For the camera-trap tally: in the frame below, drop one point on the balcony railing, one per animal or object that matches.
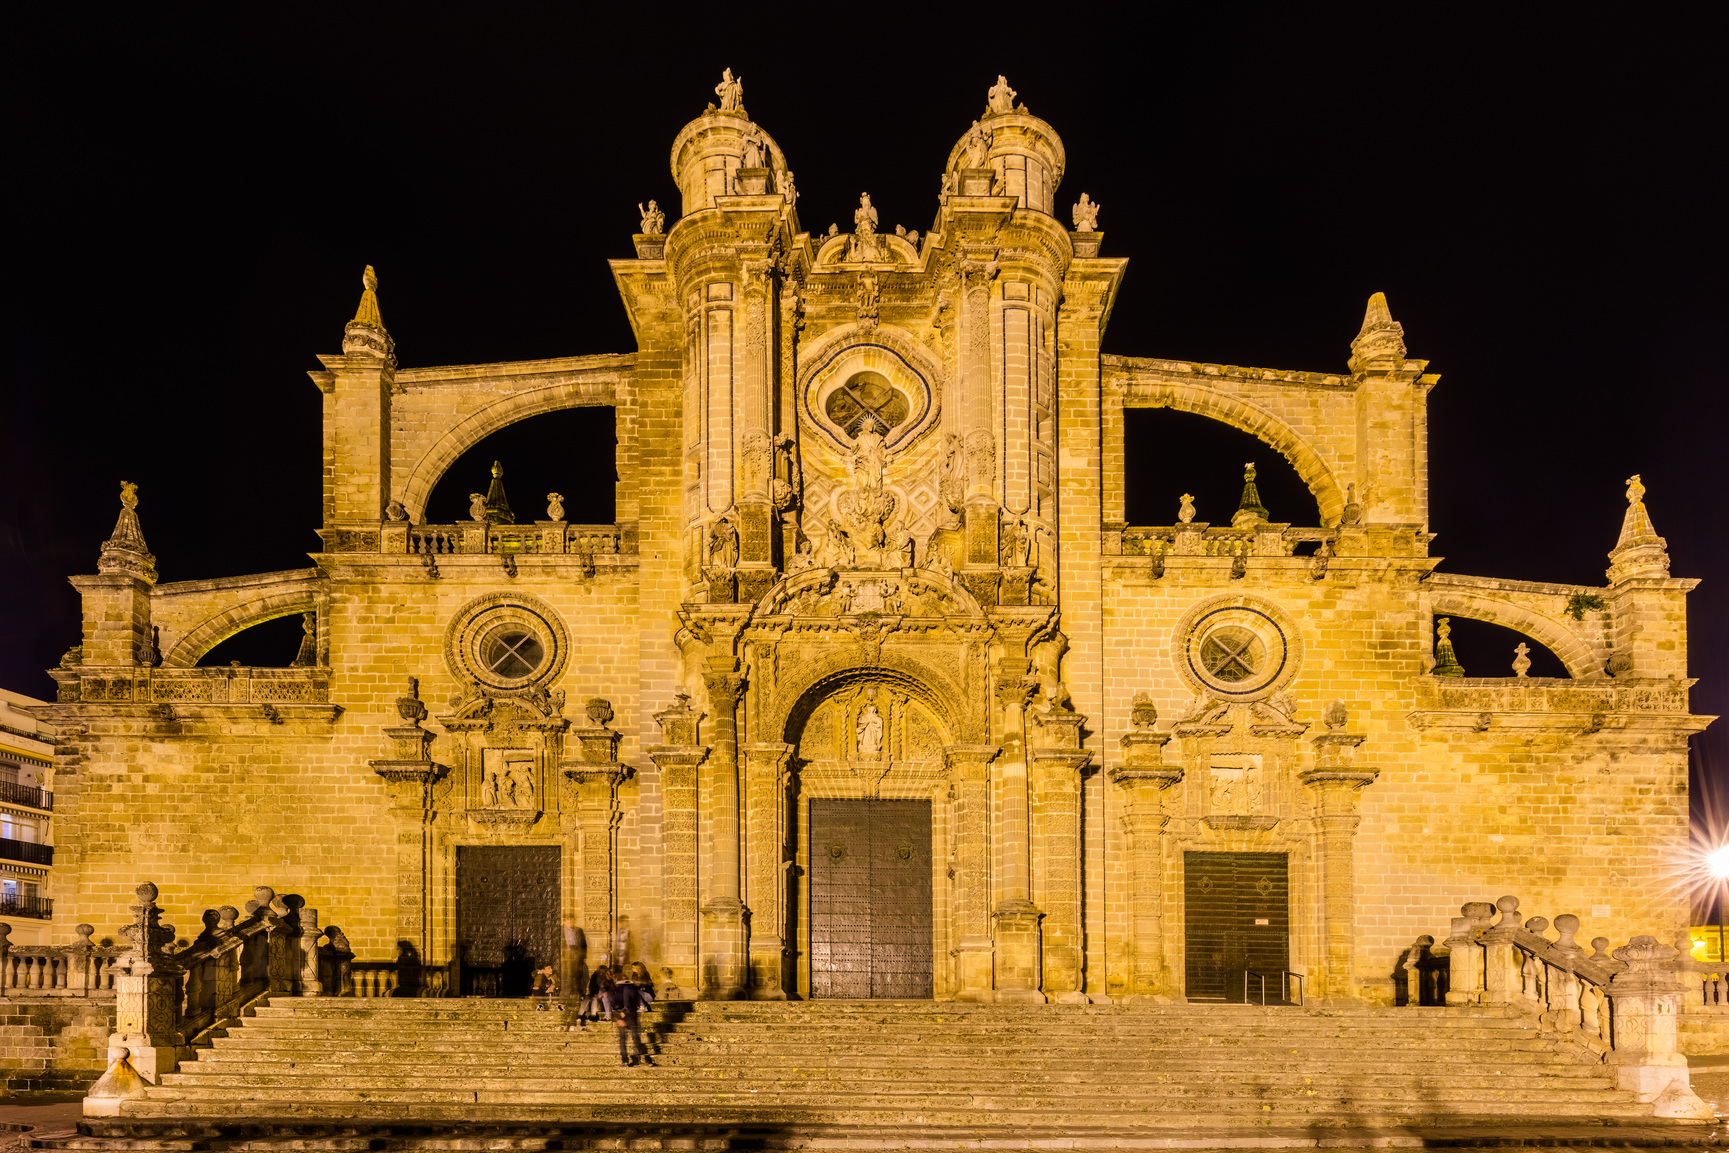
(26, 795)
(42, 907)
(27, 851)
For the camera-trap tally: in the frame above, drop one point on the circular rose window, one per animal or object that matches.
(867, 396)
(1237, 648)
(506, 641)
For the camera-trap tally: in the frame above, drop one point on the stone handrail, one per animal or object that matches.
(1619, 1007)
(82, 969)
(391, 979)
(168, 1002)
(479, 537)
(1209, 540)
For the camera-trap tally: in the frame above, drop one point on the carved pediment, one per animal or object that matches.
(482, 711)
(836, 593)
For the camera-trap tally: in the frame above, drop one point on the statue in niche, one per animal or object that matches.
(978, 144)
(489, 790)
(803, 558)
(517, 788)
(870, 734)
(953, 485)
(1001, 97)
(1017, 541)
(1086, 214)
(753, 148)
(788, 486)
(723, 545)
(653, 219)
(730, 90)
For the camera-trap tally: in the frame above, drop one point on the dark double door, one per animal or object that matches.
(506, 916)
(870, 899)
(1238, 923)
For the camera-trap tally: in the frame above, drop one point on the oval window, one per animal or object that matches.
(867, 396)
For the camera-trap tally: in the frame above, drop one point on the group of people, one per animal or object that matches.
(614, 993)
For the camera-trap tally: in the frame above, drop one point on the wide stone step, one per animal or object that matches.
(575, 1057)
(756, 1108)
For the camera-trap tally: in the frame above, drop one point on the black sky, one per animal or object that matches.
(192, 191)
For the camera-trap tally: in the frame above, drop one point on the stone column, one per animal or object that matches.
(146, 996)
(1646, 1002)
(1019, 967)
(766, 843)
(756, 571)
(1334, 786)
(594, 778)
(1503, 971)
(976, 273)
(969, 768)
(1465, 954)
(723, 933)
(1144, 778)
(678, 761)
(1058, 762)
(409, 774)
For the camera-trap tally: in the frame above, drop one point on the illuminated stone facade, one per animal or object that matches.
(870, 543)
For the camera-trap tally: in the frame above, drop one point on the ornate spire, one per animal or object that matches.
(1250, 510)
(1639, 552)
(365, 335)
(1382, 337)
(125, 551)
(497, 506)
(1446, 663)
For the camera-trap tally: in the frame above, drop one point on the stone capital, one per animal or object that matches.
(1132, 776)
(969, 762)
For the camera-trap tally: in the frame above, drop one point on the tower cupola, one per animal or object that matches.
(723, 153)
(1023, 154)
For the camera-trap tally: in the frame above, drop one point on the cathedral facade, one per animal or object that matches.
(871, 691)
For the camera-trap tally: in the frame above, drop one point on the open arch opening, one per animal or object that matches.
(1168, 453)
(1488, 650)
(571, 452)
(272, 642)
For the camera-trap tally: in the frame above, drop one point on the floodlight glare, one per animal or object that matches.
(1717, 860)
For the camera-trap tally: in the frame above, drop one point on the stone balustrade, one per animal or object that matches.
(1200, 539)
(481, 537)
(1621, 1007)
(81, 969)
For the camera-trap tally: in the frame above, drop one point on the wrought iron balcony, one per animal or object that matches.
(42, 907)
(26, 795)
(27, 851)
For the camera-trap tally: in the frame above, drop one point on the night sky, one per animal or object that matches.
(192, 195)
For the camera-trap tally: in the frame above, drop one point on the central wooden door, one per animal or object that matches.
(1237, 921)
(870, 899)
(506, 916)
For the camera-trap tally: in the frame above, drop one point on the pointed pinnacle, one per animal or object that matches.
(367, 313)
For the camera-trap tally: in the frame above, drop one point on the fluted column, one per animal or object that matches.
(723, 936)
(1335, 786)
(765, 867)
(1057, 761)
(969, 768)
(678, 761)
(1144, 778)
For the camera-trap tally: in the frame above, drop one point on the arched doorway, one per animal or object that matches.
(870, 819)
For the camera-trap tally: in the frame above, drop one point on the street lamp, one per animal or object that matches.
(1717, 860)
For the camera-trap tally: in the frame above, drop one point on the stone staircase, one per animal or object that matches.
(831, 1074)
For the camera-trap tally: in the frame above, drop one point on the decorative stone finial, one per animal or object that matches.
(1086, 214)
(365, 335)
(125, 551)
(731, 92)
(1143, 714)
(555, 506)
(1381, 339)
(1335, 716)
(1639, 552)
(1001, 98)
(1521, 659)
(409, 705)
(1353, 512)
(1250, 510)
(653, 219)
(1186, 510)
(599, 711)
(1446, 664)
(497, 506)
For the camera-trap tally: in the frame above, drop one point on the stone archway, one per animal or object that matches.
(866, 915)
